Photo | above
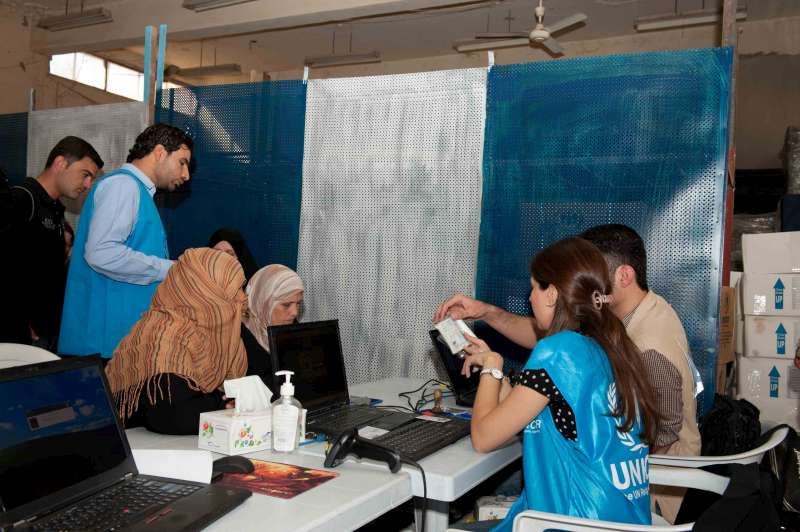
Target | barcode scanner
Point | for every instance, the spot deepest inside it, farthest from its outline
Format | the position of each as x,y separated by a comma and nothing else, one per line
349,442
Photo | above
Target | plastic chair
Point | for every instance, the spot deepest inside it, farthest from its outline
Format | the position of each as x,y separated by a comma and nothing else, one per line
20,354
748,457
533,521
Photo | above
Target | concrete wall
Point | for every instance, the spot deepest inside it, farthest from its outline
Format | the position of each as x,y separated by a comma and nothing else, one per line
21,70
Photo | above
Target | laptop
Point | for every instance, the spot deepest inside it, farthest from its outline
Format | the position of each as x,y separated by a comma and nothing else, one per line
65,462
464,388
313,350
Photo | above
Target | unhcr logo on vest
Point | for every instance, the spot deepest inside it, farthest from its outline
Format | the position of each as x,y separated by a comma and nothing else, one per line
628,474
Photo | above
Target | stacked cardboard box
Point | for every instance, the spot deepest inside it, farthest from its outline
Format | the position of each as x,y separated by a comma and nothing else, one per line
770,291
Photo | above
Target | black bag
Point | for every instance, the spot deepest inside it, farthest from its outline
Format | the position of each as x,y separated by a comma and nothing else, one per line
730,427
782,460
749,504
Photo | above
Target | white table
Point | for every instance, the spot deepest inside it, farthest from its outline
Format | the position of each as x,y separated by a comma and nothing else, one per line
450,472
364,489
357,496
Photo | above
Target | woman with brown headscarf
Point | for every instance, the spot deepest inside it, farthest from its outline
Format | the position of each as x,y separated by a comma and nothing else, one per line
170,367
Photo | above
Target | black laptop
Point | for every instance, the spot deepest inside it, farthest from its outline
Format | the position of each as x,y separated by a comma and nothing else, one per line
313,350
464,388
65,462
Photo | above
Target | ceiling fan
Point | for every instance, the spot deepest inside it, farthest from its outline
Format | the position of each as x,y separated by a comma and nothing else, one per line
538,36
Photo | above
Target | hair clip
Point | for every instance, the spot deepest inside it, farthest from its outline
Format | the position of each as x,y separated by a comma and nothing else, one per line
599,299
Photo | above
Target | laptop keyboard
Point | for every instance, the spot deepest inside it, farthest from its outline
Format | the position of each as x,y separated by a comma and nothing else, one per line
343,418
418,439
117,506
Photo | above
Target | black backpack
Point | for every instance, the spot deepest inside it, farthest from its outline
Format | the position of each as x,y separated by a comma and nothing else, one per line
730,427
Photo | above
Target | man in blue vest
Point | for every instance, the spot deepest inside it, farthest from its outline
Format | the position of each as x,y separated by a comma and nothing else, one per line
120,252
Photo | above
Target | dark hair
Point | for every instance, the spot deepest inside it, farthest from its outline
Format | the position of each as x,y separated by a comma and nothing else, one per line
168,136
577,269
68,229
620,245
73,149
236,240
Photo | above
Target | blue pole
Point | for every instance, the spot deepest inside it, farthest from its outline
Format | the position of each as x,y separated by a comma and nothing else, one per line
148,53
162,50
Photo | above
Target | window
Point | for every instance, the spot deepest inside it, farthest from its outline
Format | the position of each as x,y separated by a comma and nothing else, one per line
101,74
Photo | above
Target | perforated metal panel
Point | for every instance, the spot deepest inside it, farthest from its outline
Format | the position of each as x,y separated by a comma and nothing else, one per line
636,139
111,129
390,217
248,156
14,145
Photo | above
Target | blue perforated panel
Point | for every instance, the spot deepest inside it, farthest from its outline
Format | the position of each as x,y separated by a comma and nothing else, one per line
14,145
248,152
635,139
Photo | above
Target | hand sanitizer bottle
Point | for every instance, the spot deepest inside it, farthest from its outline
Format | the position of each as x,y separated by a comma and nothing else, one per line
286,417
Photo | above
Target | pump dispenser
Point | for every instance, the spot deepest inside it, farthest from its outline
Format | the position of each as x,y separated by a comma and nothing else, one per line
286,417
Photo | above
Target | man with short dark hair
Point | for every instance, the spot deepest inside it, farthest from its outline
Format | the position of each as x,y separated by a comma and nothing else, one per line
120,251
33,237
650,322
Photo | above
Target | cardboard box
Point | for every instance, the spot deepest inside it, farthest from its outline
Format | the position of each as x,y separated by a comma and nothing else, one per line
768,379
771,336
494,507
771,252
771,294
223,431
727,325
736,283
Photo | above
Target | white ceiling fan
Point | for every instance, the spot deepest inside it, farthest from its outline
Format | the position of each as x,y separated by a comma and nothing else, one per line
538,36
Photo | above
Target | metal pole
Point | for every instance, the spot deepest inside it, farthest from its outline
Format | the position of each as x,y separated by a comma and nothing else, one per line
730,38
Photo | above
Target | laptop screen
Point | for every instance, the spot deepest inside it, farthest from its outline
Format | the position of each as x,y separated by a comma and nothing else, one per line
57,429
453,364
314,352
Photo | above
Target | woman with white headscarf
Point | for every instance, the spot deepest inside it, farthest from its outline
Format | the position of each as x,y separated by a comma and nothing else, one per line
274,296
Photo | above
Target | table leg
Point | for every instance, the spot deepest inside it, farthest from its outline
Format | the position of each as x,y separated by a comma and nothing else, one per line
437,515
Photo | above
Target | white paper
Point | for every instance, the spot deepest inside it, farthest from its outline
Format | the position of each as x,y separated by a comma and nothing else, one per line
250,392
453,334
194,466
371,432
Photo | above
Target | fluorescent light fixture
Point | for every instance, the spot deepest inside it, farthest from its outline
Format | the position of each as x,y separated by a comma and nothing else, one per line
492,45
88,17
338,60
695,18
205,5
228,69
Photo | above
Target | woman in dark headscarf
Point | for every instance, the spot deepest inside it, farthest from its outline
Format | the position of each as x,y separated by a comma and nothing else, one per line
232,242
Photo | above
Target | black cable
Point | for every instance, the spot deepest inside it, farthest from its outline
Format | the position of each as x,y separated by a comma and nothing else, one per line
424,490
399,408
422,388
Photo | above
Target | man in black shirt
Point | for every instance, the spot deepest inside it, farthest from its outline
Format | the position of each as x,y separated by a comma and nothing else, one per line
35,265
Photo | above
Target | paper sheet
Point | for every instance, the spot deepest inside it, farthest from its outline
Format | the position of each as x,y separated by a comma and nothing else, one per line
194,465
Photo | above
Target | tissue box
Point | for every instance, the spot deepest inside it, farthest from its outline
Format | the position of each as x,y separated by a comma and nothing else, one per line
771,252
223,431
771,336
771,294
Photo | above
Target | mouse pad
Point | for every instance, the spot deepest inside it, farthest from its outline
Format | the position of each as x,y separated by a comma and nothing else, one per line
277,480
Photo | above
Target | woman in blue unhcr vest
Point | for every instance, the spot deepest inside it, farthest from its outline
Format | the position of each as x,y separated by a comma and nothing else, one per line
583,401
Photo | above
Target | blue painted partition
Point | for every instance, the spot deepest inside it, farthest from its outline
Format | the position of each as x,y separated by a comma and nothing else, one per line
14,146
247,166
634,139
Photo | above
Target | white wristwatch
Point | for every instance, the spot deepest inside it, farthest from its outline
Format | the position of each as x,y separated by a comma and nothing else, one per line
494,372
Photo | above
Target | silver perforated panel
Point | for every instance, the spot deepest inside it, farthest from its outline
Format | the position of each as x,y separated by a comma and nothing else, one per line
390,210
110,128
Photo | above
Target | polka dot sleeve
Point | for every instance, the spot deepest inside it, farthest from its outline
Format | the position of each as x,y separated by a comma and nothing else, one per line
539,381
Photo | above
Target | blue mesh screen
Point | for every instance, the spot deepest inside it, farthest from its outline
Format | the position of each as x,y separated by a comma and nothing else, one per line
634,139
247,166
14,146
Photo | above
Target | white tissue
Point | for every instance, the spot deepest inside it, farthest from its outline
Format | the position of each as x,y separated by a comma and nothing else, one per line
250,393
